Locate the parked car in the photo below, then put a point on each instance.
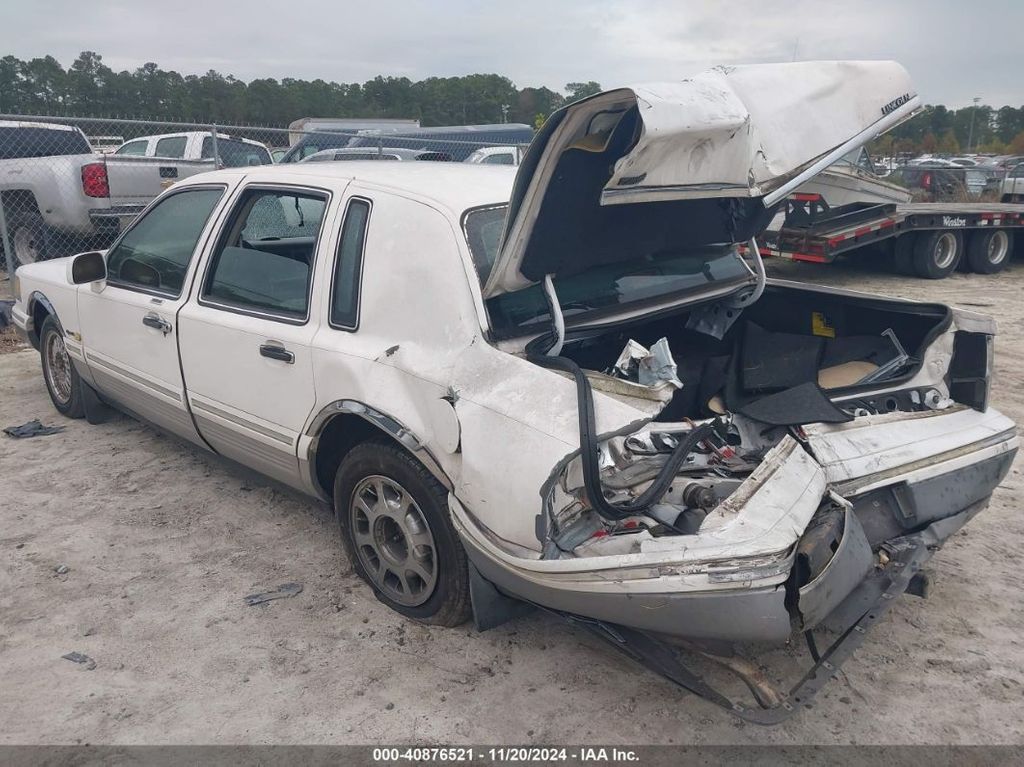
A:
(509, 154)
(562, 386)
(935, 182)
(1012, 186)
(382, 153)
(59, 195)
(232, 151)
(460, 141)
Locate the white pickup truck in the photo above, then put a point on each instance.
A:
(230, 151)
(59, 195)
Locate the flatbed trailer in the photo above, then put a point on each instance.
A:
(928, 239)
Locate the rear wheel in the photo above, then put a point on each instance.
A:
(989, 251)
(62, 381)
(397, 529)
(937, 253)
(28, 240)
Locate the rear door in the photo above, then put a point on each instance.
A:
(128, 323)
(246, 338)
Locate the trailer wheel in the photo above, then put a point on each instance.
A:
(937, 253)
(989, 251)
(903, 254)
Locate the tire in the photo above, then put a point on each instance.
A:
(413, 561)
(988, 251)
(937, 253)
(59, 374)
(903, 254)
(29, 241)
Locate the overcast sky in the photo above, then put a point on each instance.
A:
(955, 50)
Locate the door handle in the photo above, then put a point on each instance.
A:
(152, 320)
(277, 352)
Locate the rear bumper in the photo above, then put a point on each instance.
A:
(656, 601)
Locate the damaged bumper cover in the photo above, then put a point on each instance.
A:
(809, 543)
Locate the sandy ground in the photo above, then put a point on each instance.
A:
(161, 542)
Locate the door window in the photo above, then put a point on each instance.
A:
(137, 148)
(173, 147)
(347, 268)
(264, 260)
(155, 253)
(500, 158)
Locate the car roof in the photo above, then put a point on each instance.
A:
(46, 126)
(456, 186)
(188, 133)
(363, 150)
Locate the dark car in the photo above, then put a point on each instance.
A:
(377, 153)
(458, 141)
(933, 182)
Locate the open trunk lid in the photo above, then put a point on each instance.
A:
(628, 173)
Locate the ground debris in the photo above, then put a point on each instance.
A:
(32, 429)
(283, 591)
(82, 659)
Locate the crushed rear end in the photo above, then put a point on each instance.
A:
(788, 457)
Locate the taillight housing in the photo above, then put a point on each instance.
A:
(970, 371)
(94, 180)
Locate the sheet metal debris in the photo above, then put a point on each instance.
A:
(32, 429)
(283, 591)
(81, 659)
(648, 367)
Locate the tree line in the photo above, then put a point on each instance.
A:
(89, 88)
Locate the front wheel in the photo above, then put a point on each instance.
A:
(397, 529)
(62, 381)
(937, 253)
(989, 251)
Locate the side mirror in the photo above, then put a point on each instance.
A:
(87, 267)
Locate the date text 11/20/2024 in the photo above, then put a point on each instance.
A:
(504, 754)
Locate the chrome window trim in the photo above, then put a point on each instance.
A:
(228, 221)
(362, 261)
(142, 214)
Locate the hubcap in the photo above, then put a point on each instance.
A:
(58, 368)
(393, 541)
(998, 246)
(945, 250)
(26, 245)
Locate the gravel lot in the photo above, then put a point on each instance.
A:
(161, 543)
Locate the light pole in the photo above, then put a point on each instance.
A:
(970, 133)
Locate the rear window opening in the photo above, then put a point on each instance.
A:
(20, 142)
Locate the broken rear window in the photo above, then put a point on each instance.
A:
(604, 287)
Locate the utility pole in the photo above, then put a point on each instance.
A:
(970, 133)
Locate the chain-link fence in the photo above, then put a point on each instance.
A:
(69, 184)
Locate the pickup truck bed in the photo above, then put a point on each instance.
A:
(57, 196)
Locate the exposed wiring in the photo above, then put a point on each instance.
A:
(590, 449)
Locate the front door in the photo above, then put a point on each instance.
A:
(128, 323)
(245, 343)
